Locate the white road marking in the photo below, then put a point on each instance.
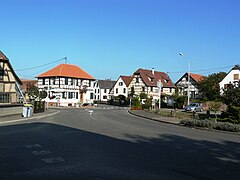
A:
(53, 160)
(43, 152)
(33, 146)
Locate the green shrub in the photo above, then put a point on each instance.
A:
(211, 125)
(232, 113)
(136, 102)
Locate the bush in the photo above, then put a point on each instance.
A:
(136, 102)
(233, 113)
(211, 125)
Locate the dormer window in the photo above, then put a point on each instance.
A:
(166, 81)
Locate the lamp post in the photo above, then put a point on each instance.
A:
(159, 84)
(188, 90)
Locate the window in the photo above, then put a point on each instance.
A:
(95, 91)
(49, 81)
(43, 81)
(116, 90)
(98, 90)
(104, 97)
(64, 95)
(1, 73)
(236, 77)
(120, 83)
(91, 95)
(105, 90)
(72, 81)
(193, 95)
(137, 79)
(226, 86)
(4, 98)
(98, 97)
(66, 81)
(151, 89)
(143, 89)
(124, 90)
(76, 95)
(70, 95)
(89, 83)
(54, 81)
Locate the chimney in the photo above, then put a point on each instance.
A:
(153, 71)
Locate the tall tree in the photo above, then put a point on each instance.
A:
(231, 95)
(209, 86)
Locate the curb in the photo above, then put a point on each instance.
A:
(30, 118)
(179, 124)
(157, 120)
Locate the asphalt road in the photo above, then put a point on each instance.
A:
(112, 144)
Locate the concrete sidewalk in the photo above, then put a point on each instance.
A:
(18, 117)
(155, 117)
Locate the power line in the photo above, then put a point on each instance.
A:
(202, 70)
(65, 58)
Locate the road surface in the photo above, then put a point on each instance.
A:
(112, 144)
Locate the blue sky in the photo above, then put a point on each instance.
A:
(108, 38)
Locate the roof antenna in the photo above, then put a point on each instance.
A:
(65, 60)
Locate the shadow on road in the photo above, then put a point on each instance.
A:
(51, 151)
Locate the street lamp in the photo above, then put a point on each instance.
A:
(188, 90)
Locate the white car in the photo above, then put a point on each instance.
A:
(194, 107)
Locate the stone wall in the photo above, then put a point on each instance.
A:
(6, 110)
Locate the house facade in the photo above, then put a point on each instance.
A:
(121, 87)
(146, 81)
(232, 77)
(9, 82)
(102, 89)
(67, 85)
(182, 85)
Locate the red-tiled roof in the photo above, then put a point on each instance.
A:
(26, 81)
(67, 70)
(196, 77)
(126, 79)
(155, 76)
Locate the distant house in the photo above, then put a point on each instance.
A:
(182, 85)
(24, 86)
(121, 87)
(143, 81)
(232, 77)
(9, 82)
(67, 85)
(146, 81)
(102, 89)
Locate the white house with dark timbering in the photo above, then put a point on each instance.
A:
(67, 85)
(232, 77)
(9, 82)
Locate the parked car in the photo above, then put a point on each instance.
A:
(194, 107)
